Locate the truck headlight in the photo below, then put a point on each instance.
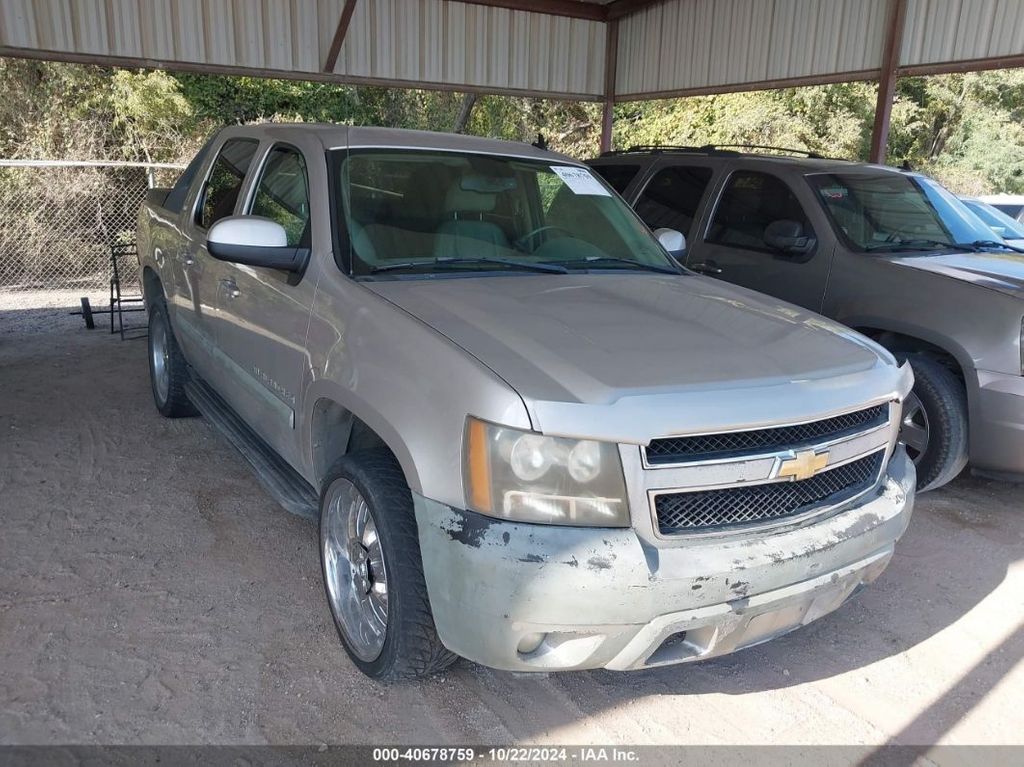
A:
(528, 477)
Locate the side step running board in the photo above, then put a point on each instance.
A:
(285, 484)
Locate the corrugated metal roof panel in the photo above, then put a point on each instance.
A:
(673, 46)
(958, 30)
(439, 42)
(694, 44)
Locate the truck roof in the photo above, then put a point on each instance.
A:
(334, 136)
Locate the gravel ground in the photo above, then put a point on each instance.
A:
(151, 593)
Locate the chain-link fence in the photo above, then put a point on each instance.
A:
(57, 223)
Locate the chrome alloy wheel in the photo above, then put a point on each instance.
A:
(354, 570)
(160, 358)
(914, 431)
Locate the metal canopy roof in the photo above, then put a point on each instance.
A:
(556, 48)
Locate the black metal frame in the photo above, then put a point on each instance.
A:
(117, 298)
(120, 304)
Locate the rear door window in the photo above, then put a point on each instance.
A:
(617, 176)
(750, 202)
(225, 181)
(672, 198)
(175, 199)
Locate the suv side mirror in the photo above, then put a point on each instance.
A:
(254, 241)
(788, 237)
(672, 241)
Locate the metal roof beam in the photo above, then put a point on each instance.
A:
(339, 35)
(570, 8)
(622, 8)
(887, 79)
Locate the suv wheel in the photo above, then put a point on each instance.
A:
(373, 574)
(934, 427)
(168, 370)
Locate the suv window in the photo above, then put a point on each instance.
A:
(751, 201)
(283, 193)
(175, 199)
(225, 181)
(618, 176)
(887, 211)
(672, 197)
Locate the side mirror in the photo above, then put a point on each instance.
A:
(254, 241)
(788, 237)
(672, 241)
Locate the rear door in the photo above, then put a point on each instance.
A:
(196, 317)
(731, 244)
(265, 312)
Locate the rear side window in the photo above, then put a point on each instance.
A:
(672, 198)
(617, 176)
(751, 201)
(175, 199)
(283, 193)
(225, 181)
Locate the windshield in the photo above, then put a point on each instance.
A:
(423, 212)
(894, 211)
(996, 220)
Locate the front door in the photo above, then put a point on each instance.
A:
(265, 312)
(736, 245)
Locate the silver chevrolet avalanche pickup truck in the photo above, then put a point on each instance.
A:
(529, 437)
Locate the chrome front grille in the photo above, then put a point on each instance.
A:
(765, 503)
(778, 475)
(701, 447)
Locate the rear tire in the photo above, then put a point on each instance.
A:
(934, 427)
(373, 573)
(168, 370)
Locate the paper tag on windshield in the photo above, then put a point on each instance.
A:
(580, 180)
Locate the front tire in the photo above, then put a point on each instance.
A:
(168, 370)
(373, 573)
(934, 427)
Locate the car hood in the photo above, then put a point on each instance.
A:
(996, 271)
(641, 340)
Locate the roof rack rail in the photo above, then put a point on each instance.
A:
(654, 148)
(804, 152)
(709, 149)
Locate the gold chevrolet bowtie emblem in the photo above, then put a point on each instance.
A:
(804, 465)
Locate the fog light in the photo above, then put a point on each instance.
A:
(530, 642)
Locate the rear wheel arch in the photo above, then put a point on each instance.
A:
(152, 286)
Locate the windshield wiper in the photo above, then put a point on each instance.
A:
(984, 244)
(973, 247)
(920, 245)
(459, 262)
(625, 261)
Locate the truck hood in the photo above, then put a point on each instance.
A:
(639, 342)
(1003, 272)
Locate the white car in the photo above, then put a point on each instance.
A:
(1009, 229)
(1010, 204)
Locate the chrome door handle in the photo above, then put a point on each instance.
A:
(707, 267)
(230, 288)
